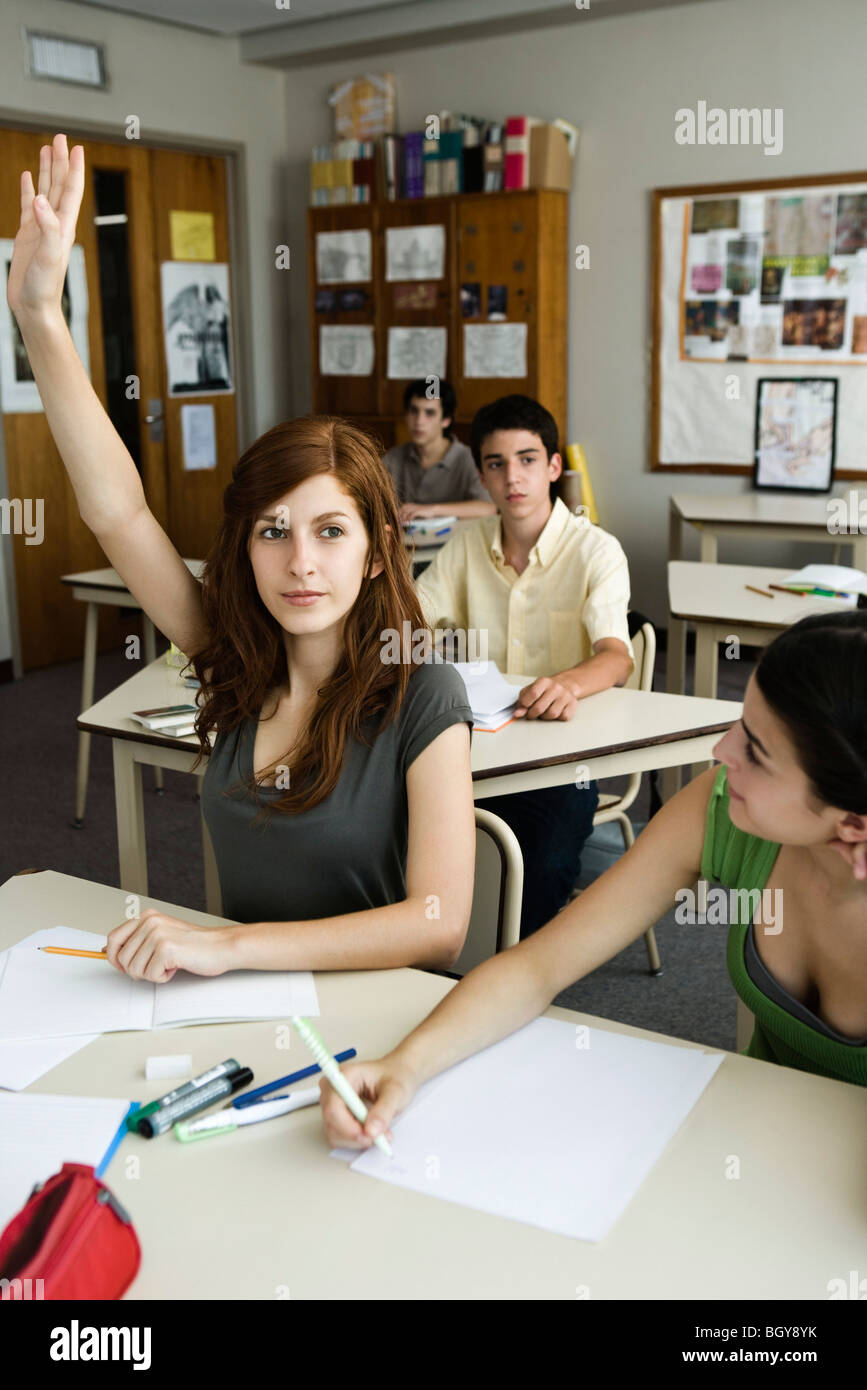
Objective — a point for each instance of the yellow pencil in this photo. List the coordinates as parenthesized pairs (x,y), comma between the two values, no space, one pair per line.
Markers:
(68,951)
(764,593)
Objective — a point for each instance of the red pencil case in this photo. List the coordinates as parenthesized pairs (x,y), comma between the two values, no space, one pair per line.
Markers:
(73,1239)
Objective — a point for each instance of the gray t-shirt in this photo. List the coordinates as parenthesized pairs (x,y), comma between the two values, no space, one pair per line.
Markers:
(348,853)
(454,479)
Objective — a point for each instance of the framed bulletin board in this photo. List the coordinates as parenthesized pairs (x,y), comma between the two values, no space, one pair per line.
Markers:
(756,280)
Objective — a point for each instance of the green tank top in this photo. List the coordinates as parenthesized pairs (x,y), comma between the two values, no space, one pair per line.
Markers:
(735,859)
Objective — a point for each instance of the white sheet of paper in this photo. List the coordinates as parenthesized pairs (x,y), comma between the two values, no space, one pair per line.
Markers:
(44,996)
(415,253)
(200,436)
(488,691)
(540,1130)
(240,994)
(343,257)
(25,1060)
(416,352)
(38,1134)
(495,349)
(346,349)
(839,577)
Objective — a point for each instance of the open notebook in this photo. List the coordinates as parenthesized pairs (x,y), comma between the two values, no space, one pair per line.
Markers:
(491,698)
(44,996)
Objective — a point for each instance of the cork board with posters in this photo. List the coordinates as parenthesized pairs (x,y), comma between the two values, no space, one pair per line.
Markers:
(755,280)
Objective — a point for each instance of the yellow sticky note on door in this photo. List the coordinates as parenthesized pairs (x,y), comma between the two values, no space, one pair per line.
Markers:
(192,236)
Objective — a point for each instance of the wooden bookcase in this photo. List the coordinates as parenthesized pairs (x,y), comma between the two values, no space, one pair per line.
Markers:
(517,239)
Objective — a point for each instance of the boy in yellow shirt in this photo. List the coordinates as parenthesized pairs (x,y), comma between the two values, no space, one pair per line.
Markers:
(552,593)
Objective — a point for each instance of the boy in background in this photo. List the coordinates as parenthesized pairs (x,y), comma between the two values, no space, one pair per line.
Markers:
(433,473)
(552,592)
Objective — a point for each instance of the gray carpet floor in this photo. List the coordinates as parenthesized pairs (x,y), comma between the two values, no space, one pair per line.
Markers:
(692,998)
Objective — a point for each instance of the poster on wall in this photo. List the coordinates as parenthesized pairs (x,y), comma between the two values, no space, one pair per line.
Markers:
(415,253)
(199,434)
(196,324)
(795,433)
(18,391)
(346,349)
(343,257)
(416,352)
(776,277)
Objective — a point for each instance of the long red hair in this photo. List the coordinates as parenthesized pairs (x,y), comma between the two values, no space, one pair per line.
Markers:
(245,655)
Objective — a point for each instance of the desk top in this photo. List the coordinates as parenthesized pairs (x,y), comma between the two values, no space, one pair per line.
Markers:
(109,578)
(266,1207)
(612,721)
(754,508)
(717,593)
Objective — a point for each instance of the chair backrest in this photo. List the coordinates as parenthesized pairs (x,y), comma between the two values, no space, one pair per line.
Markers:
(643,637)
(498,887)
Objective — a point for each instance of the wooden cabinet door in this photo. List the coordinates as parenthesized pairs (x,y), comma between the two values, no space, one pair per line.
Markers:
(497,252)
(414,302)
(188,504)
(342,303)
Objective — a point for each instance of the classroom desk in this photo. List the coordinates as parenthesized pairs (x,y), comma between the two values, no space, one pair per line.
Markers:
(264,1213)
(423,549)
(94,587)
(759,515)
(615,732)
(716,600)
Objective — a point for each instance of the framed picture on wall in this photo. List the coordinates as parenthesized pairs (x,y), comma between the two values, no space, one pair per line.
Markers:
(796,431)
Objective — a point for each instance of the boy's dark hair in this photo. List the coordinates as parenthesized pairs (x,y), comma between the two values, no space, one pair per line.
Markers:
(418,391)
(513,413)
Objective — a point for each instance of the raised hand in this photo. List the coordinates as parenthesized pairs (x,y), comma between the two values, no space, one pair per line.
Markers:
(45,237)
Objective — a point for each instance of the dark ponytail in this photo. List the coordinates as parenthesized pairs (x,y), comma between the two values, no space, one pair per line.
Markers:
(814,677)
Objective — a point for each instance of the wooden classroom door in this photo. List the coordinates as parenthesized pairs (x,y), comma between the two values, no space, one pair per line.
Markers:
(139,256)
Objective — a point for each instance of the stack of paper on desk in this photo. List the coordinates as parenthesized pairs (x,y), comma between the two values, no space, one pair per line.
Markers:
(557,1125)
(491,698)
(429,525)
(838,578)
(45,996)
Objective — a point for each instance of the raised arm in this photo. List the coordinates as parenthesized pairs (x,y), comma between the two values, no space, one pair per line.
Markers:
(512,988)
(107,485)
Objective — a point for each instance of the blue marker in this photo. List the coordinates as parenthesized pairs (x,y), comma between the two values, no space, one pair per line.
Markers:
(251,1097)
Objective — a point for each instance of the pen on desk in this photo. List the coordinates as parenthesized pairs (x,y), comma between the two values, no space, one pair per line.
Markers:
(70,951)
(253,1097)
(352,1101)
(764,593)
(227,1120)
(780,588)
(165,1116)
(228,1068)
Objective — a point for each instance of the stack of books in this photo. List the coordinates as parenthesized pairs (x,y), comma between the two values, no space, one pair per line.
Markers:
(342,172)
(468,156)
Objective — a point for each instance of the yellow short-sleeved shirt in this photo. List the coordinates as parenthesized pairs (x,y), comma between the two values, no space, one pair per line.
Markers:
(574,592)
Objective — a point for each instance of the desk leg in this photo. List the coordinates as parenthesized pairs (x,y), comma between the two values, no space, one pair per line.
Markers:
(150,650)
(709,546)
(129,809)
(91,625)
(213,895)
(706,671)
(675,650)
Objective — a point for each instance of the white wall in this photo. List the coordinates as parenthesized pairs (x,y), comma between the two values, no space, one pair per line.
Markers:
(184,86)
(621,80)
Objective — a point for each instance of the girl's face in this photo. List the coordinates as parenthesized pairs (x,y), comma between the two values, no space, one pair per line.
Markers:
(770,793)
(308,553)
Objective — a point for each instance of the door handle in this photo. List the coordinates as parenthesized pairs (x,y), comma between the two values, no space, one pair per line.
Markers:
(155,420)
